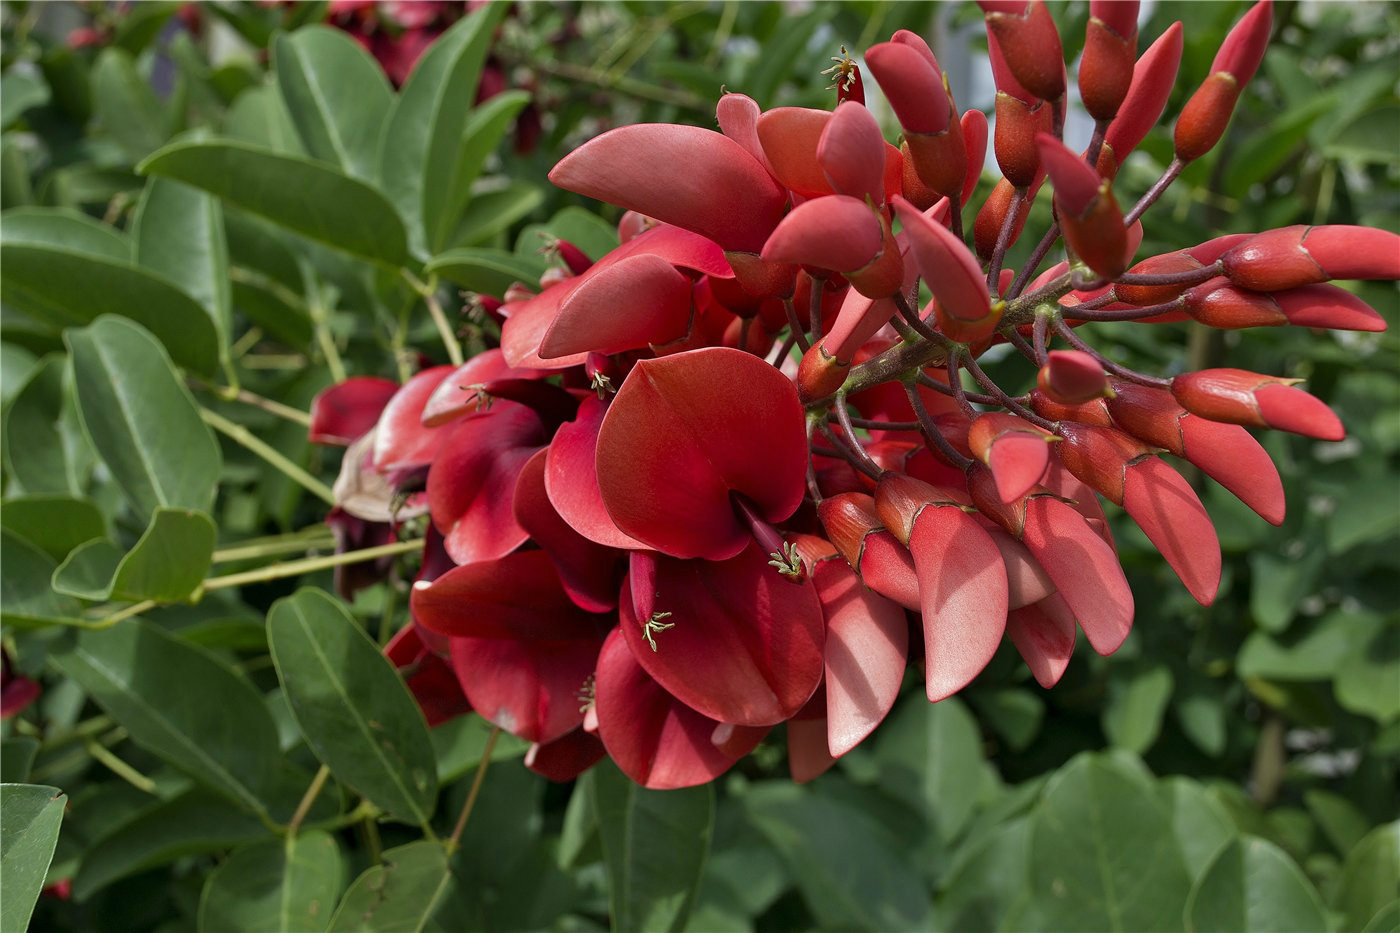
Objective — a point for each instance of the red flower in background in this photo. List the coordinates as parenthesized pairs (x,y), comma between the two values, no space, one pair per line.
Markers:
(668,539)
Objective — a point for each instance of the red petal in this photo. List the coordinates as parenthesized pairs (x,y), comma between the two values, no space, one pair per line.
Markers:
(566,757)
(1043,633)
(571,478)
(851,153)
(737,115)
(808,755)
(1243,49)
(459,395)
(949,267)
(1229,455)
(682,175)
(963,591)
(429,678)
(529,688)
(1084,569)
(1285,408)
(655,739)
(746,646)
(867,642)
(472,481)
(1026,581)
(1018,461)
(527,324)
(401,441)
(628,305)
(687,431)
(912,84)
(1328,306)
(836,232)
(346,410)
(887,567)
(589,572)
(789,136)
(1168,511)
(1153,78)
(1076,183)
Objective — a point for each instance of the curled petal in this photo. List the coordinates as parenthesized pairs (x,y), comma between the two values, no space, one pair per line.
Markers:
(629,305)
(737,115)
(946,263)
(460,393)
(838,233)
(528,688)
(790,138)
(851,152)
(347,410)
(1026,581)
(401,441)
(913,85)
(566,757)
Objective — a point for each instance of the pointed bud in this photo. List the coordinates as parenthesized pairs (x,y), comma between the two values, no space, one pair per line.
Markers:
(1089,214)
(1243,49)
(1091,412)
(1030,45)
(950,270)
(1071,377)
(847,518)
(1106,65)
(992,215)
(1017,126)
(1151,87)
(913,85)
(1016,451)
(1217,303)
(1144,295)
(1328,306)
(974,130)
(1207,113)
(1236,396)
(1301,255)
(851,153)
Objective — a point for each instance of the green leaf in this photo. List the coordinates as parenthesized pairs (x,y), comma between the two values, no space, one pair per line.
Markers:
(336,94)
(275,885)
(488,271)
(849,869)
(770,69)
(1371,138)
(26,598)
(1200,705)
(355,711)
(54,524)
(1200,822)
(142,420)
(1368,681)
(304,196)
(419,149)
(583,228)
(259,117)
(654,844)
(17,758)
(194,822)
(179,233)
(1014,713)
(398,896)
(1315,651)
(67,288)
(1386,920)
(493,212)
(1279,584)
(459,743)
(1367,882)
(167,564)
(930,757)
(1265,152)
(62,227)
(1253,887)
(125,105)
(485,127)
(182,704)
(20,90)
(40,451)
(30,815)
(1102,853)
(1340,820)
(988,875)
(1137,698)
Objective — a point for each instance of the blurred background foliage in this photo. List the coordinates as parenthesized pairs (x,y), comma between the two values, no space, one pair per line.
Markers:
(1228,756)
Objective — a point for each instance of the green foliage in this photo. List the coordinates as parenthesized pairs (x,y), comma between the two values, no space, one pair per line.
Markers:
(186,237)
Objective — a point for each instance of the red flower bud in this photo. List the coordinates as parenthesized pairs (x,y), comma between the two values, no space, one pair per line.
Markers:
(1301,255)
(838,233)
(1089,214)
(1207,113)
(1328,306)
(1217,303)
(628,305)
(349,409)
(899,498)
(949,268)
(1016,451)
(1072,378)
(933,140)
(1091,412)
(1106,66)
(1151,87)
(974,129)
(987,227)
(1017,126)
(1236,396)
(1030,45)
(1144,295)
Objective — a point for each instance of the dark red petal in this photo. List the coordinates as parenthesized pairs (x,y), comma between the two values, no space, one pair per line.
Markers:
(530,689)
(430,679)
(459,393)
(346,410)
(566,757)
(746,643)
(1043,633)
(963,592)
(571,478)
(1285,408)
(401,441)
(472,481)
(589,572)
(1026,581)
(867,642)
(687,431)
(808,755)
(628,305)
(655,739)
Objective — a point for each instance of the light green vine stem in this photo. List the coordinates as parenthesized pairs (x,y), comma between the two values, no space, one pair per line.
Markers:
(320,317)
(118,767)
(235,394)
(428,292)
(297,567)
(454,840)
(296,543)
(307,799)
(238,433)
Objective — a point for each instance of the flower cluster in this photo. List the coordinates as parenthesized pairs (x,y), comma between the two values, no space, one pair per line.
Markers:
(654,534)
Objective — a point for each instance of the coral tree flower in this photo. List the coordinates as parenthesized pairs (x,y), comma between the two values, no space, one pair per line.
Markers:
(652,537)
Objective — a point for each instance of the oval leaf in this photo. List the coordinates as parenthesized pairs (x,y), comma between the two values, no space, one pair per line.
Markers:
(30,815)
(275,885)
(1253,887)
(399,895)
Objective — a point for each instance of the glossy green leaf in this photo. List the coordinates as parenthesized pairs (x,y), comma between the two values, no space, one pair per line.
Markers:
(487,271)
(930,757)
(1340,819)
(1137,699)
(306,197)
(849,869)
(141,418)
(54,524)
(16,758)
(179,233)
(16,366)
(493,212)
(61,227)
(336,94)
(26,598)
(20,90)
(1200,823)
(421,142)
(654,845)
(1386,920)
(193,823)
(1252,886)
(125,105)
(67,288)
(167,564)
(987,876)
(182,704)
(275,885)
(398,896)
(260,117)
(39,451)
(1368,681)
(1367,882)
(485,128)
(30,815)
(355,711)
(1103,854)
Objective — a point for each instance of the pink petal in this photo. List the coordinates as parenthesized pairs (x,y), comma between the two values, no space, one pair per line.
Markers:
(789,136)
(837,232)
(1043,633)
(1169,512)
(459,394)
(851,153)
(1083,568)
(947,264)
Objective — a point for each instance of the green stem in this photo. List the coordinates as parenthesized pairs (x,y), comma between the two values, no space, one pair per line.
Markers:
(454,840)
(273,547)
(307,799)
(428,291)
(120,768)
(248,439)
(297,567)
(235,394)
